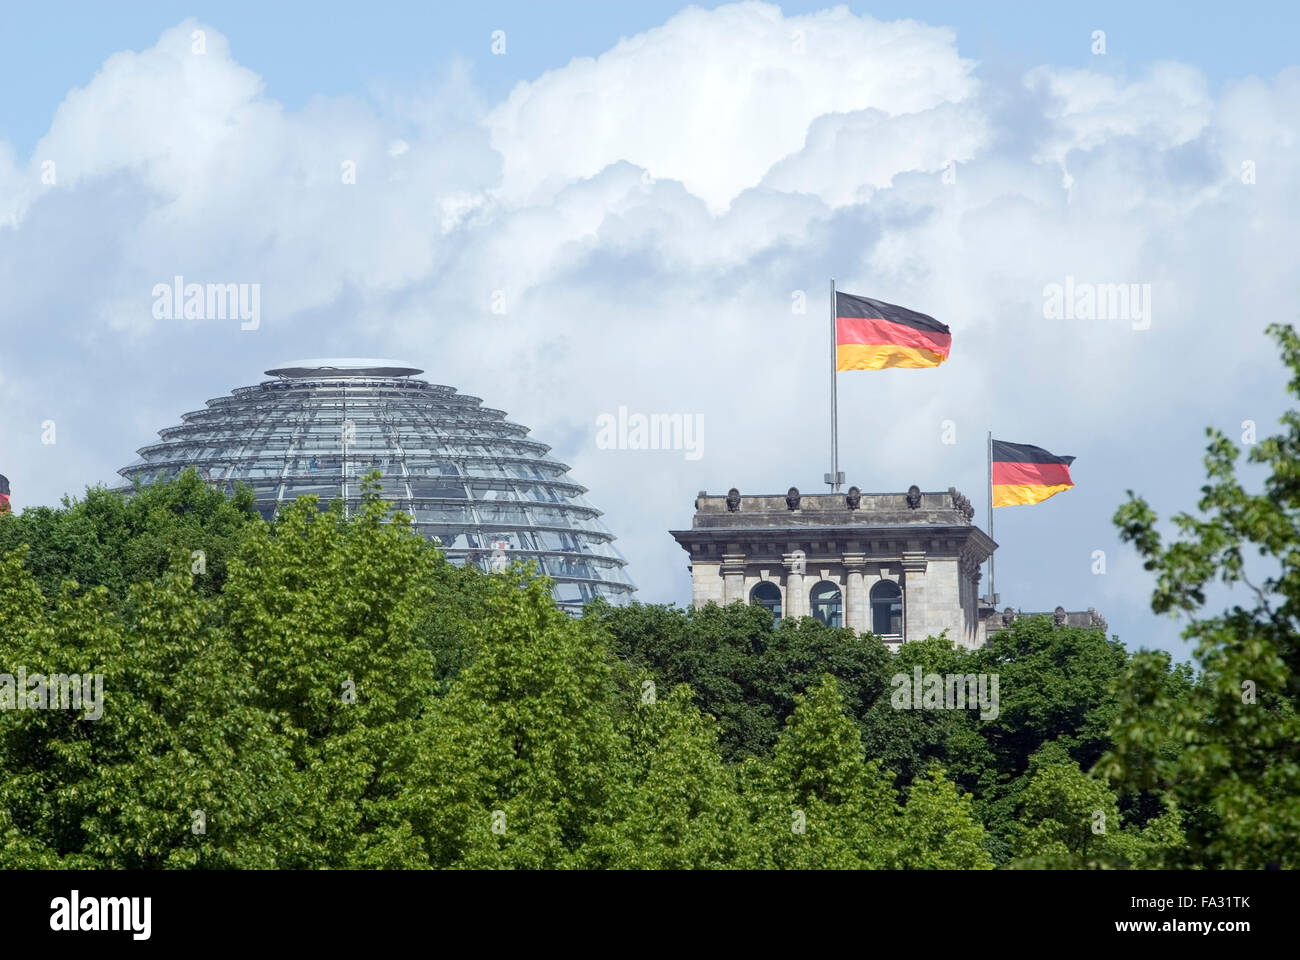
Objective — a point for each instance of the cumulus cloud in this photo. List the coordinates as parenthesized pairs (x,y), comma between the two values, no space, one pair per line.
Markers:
(653,221)
(848,157)
(715,98)
(1167,107)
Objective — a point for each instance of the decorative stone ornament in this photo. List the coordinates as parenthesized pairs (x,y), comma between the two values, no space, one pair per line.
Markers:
(1096,619)
(733,500)
(913,496)
(854,499)
(792,498)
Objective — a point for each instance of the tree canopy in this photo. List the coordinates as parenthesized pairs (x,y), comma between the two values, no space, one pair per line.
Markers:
(344,697)
(1227,747)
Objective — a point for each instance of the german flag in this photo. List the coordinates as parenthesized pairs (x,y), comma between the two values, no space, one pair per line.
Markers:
(871,335)
(1024,475)
(4,494)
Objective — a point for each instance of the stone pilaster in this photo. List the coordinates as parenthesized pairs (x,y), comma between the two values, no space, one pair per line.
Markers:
(916,623)
(855,592)
(733,578)
(796,602)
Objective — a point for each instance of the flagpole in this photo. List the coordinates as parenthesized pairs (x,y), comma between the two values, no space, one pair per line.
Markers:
(993,597)
(834,477)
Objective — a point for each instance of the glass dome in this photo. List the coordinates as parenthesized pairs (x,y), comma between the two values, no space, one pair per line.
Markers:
(464,473)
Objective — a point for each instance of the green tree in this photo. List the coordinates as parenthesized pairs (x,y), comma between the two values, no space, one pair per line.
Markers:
(330,616)
(1238,769)
(340,696)
(113,541)
(938,829)
(1055,686)
(908,741)
(517,761)
(745,670)
(1069,820)
(268,724)
(179,746)
(675,804)
(819,804)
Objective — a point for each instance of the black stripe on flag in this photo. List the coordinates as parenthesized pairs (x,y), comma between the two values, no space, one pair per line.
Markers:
(1004,452)
(847,305)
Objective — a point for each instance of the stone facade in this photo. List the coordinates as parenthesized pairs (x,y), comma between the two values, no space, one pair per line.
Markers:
(867,546)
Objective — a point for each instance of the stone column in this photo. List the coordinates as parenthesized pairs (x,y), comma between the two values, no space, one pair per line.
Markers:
(977,635)
(796,604)
(974,634)
(915,621)
(855,593)
(733,578)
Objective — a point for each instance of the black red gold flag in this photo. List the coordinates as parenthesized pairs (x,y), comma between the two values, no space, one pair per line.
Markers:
(873,335)
(1023,474)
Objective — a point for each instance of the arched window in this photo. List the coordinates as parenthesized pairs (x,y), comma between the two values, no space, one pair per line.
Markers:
(887,609)
(826,605)
(768,596)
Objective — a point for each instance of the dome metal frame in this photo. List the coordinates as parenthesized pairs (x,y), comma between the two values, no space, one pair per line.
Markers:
(461,471)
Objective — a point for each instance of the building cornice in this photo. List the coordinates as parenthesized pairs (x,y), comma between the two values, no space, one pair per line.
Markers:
(972,543)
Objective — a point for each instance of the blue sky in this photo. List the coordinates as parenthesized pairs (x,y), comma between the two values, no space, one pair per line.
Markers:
(343,49)
(651,188)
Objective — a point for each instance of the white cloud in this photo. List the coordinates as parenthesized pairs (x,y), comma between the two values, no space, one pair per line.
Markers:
(175,115)
(649,215)
(849,156)
(1169,106)
(715,98)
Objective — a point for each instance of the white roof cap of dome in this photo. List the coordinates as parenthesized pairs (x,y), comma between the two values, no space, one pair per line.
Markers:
(343,367)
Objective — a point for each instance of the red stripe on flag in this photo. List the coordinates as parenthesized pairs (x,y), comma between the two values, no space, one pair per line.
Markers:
(1050,474)
(873,332)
